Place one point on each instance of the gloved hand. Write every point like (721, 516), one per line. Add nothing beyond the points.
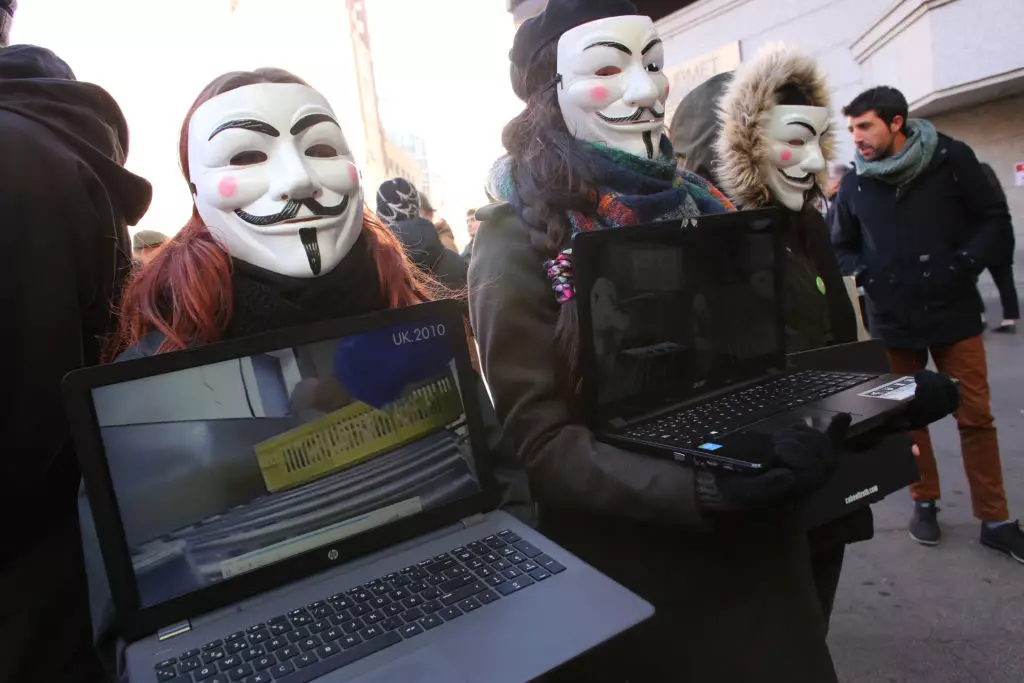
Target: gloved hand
(935, 397)
(804, 457)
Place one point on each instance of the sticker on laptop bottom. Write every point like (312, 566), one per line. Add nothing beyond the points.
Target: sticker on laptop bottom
(897, 390)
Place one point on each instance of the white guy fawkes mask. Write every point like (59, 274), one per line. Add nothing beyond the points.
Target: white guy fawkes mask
(273, 178)
(612, 90)
(794, 136)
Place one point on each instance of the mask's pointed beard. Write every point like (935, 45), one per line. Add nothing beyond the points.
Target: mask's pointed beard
(309, 242)
(649, 144)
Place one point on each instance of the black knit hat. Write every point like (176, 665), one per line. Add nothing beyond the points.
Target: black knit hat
(558, 17)
(397, 200)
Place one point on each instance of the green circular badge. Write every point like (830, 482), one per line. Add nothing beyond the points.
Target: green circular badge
(821, 284)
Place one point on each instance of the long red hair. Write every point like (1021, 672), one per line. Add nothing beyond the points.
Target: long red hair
(185, 292)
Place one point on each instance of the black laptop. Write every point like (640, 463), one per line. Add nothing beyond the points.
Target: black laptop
(313, 504)
(682, 337)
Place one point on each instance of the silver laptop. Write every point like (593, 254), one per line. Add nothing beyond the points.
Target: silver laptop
(315, 505)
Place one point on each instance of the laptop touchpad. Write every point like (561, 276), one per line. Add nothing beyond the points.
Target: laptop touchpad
(816, 418)
(426, 665)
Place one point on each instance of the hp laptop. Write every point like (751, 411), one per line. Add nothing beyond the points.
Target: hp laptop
(682, 335)
(315, 505)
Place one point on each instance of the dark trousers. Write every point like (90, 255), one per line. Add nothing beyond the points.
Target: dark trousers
(1003, 277)
(979, 446)
(44, 612)
(827, 567)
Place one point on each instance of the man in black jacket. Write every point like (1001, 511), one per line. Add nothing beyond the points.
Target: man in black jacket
(65, 199)
(916, 224)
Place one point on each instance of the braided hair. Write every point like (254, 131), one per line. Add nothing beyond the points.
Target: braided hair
(551, 176)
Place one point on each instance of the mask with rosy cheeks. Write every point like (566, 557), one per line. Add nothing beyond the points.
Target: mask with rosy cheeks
(273, 178)
(794, 159)
(611, 88)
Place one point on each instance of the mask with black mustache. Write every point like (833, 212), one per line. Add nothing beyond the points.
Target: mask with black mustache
(288, 143)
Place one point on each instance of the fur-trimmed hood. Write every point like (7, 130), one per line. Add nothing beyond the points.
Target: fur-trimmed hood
(742, 110)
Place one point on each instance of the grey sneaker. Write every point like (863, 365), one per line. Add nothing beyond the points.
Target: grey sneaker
(924, 527)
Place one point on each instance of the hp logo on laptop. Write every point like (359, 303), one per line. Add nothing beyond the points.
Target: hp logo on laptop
(332, 555)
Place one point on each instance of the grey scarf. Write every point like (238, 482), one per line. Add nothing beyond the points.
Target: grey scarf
(909, 162)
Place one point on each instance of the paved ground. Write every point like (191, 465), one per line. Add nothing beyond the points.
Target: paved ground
(952, 614)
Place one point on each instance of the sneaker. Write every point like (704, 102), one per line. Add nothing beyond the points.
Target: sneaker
(1006, 538)
(924, 527)
(1006, 328)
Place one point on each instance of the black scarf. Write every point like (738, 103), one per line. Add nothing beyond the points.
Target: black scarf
(264, 300)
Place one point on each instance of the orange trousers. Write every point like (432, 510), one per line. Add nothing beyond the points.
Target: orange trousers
(979, 446)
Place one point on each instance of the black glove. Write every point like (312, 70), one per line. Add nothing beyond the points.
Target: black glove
(935, 397)
(803, 458)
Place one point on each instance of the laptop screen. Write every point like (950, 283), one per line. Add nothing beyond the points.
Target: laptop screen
(226, 468)
(676, 313)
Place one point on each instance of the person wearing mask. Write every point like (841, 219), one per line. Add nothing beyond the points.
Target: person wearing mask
(472, 225)
(916, 224)
(146, 244)
(398, 207)
(661, 529)
(1002, 271)
(444, 231)
(66, 201)
(224, 276)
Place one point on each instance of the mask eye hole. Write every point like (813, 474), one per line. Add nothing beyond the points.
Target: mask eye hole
(249, 158)
(653, 68)
(795, 143)
(321, 151)
(608, 71)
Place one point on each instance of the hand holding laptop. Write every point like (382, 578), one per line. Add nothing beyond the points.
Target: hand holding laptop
(804, 457)
(935, 397)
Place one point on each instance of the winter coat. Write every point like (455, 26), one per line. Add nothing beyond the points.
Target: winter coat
(918, 249)
(714, 583)
(718, 128)
(422, 243)
(1009, 240)
(65, 203)
(444, 232)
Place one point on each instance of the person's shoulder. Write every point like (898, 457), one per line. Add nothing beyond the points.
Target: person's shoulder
(957, 150)
(499, 221)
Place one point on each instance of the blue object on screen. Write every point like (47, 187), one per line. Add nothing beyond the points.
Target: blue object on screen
(376, 366)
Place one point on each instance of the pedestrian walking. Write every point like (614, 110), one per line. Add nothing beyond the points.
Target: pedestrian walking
(917, 223)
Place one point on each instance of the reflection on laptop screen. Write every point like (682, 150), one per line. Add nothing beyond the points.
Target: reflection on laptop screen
(677, 317)
(229, 467)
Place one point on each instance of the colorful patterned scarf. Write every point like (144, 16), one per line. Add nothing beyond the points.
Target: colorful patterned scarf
(631, 190)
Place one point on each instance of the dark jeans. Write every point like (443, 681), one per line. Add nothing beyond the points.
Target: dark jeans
(1003, 277)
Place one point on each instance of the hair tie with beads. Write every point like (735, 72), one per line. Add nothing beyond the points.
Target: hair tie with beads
(561, 276)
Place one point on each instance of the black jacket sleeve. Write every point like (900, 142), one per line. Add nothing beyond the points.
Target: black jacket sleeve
(513, 311)
(986, 207)
(423, 245)
(845, 228)
(51, 282)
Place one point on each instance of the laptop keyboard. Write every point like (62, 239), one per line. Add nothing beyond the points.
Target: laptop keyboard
(695, 425)
(311, 641)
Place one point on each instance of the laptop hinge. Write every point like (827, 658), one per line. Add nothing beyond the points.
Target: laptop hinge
(173, 631)
(472, 520)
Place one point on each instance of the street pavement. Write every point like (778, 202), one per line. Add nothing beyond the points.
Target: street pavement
(907, 613)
